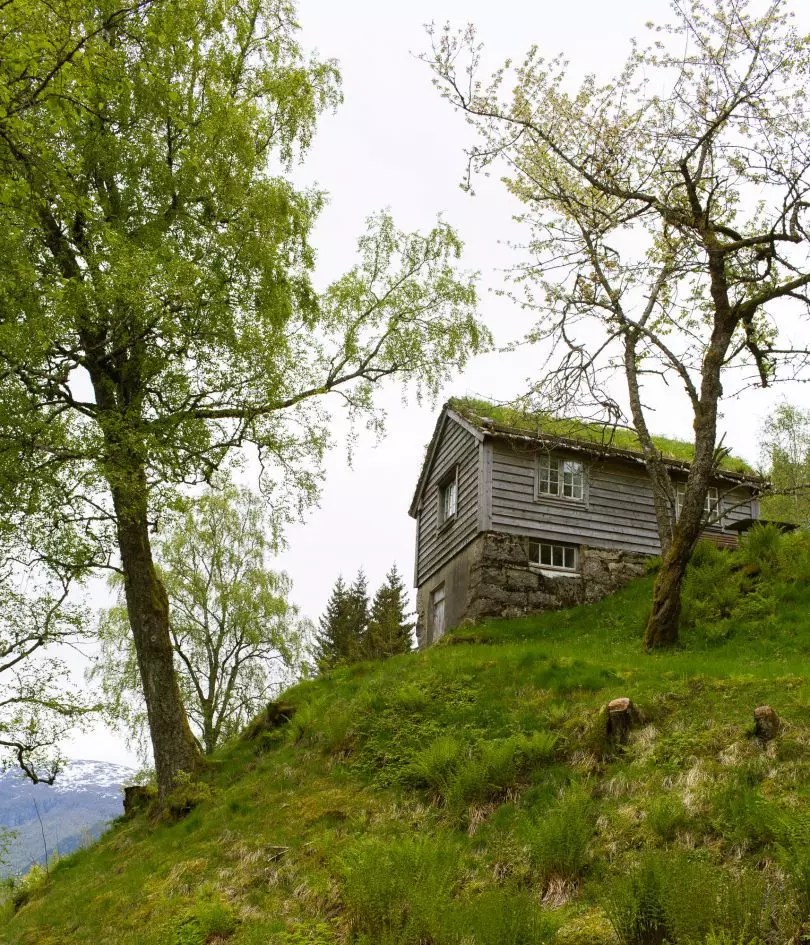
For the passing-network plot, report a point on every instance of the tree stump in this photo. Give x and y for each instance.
(621, 715)
(137, 797)
(766, 723)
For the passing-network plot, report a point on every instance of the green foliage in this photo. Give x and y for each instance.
(683, 899)
(20, 889)
(559, 837)
(666, 816)
(460, 775)
(159, 312)
(405, 802)
(634, 904)
(396, 891)
(209, 918)
(724, 590)
(762, 545)
(389, 630)
(351, 629)
(794, 858)
(236, 637)
(785, 453)
(500, 916)
(343, 625)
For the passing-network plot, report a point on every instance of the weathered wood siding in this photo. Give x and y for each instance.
(435, 545)
(617, 512)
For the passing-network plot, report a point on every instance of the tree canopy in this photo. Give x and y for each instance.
(666, 212)
(156, 304)
(236, 637)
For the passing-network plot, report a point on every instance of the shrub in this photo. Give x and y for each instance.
(497, 766)
(207, 918)
(633, 904)
(794, 858)
(761, 545)
(434, 768)
(743, 817)
(459, 776)
(711, 588)
(398, 890)
(20, 890)
(559, 839)
(680, 899)
(500, 916)
(667, 815)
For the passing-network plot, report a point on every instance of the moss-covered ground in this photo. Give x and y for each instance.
(469, 794)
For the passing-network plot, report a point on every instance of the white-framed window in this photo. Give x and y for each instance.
(549, 555)
(563, 478)
(710, 504)
(448, 497)
(437, 612)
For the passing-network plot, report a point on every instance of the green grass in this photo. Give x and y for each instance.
(571, 428)
(468, 794)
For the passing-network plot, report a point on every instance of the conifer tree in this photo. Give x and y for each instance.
(344, 624)
(332, 641)
(389, 631)
(359, 613)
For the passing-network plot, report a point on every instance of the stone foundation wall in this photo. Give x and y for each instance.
(501, 583)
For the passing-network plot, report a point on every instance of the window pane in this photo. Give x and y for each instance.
(557, 556)
(534, 552)
(548, 476)
(545, 554)
(570, 558)
(449, 497)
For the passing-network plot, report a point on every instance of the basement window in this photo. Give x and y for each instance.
(560, 557)
(563, 478)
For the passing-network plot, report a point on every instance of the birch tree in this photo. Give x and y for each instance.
(235, 634)
(157, 312)
(667, 213)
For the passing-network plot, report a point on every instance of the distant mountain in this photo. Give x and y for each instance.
(85, 798)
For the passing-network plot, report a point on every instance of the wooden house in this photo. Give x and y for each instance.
(516, 517)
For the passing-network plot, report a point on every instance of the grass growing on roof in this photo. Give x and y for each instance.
(468, 794)
(571, 428)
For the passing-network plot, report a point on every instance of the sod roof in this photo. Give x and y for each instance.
(602, 438)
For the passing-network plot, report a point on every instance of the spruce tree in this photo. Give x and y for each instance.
(332, 640)
(359, 613)
(389, 630)
(344, 623)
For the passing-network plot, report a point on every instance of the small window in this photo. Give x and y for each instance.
(547, 555)
(564, 478)
(437, 611)
(710, 504)
(448, 498)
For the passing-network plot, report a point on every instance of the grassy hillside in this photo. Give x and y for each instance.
(469, 794)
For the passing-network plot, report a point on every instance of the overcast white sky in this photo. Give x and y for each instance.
(394, 143)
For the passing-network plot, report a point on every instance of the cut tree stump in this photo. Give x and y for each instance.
(621, 716)
(766, 723)
(138, 797)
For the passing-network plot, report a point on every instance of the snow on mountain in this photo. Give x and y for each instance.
(81, 775)
(86, 796)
